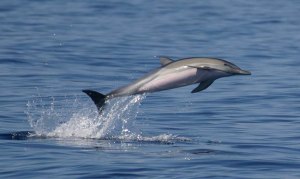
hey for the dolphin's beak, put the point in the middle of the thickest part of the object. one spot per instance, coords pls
(242, 72)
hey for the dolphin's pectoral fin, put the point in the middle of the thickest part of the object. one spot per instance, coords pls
(202, 86)
(98, 98)
(165, 60)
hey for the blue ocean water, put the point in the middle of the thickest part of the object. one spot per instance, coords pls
(240, 127)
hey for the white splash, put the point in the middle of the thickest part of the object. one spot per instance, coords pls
(77, 118)
(67, 117)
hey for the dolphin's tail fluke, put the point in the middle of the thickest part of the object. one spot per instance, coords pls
(98, 98)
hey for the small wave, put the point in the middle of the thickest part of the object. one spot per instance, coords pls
(20, 135)
(162, 138)
(95, 142)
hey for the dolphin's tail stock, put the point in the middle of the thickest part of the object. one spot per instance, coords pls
(98, 98)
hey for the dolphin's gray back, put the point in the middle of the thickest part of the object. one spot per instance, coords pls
(195, 62)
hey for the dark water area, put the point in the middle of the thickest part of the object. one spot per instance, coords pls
(240, 127)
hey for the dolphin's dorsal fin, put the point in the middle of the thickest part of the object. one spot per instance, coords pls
(202, 86)
(165, 60)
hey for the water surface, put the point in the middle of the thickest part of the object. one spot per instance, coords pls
(240, 127)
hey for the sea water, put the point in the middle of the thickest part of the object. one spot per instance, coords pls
(240, 127)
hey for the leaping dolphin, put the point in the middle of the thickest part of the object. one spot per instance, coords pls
(173, 74)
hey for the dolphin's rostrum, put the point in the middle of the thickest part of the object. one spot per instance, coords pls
(173, 74)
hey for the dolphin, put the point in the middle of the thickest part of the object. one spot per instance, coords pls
(173, 74)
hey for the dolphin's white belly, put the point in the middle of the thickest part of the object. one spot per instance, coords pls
(176, 79)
